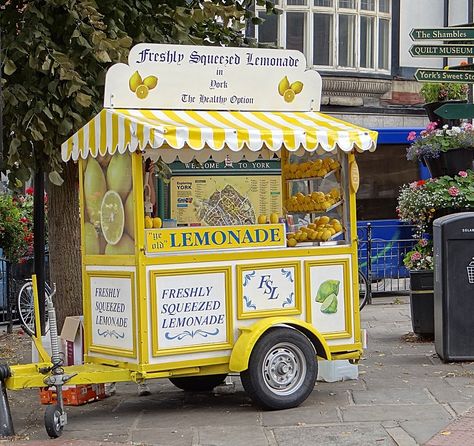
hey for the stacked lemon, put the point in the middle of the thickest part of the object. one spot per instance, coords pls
(314, 202)
(321, 230)
(310, 169)
(151, 222)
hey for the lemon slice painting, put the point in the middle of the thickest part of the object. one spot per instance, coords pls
(327, 296)
(112, 217)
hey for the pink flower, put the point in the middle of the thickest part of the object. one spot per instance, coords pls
(431, 126)
(423, 242)
(462, 173)
(415, 256)
(29, 191)
(468, 126)
(411, 136)
(453, 191)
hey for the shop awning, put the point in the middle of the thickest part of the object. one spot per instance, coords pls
(207, 133)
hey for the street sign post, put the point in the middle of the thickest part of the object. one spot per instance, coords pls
(456, 111)
(442, 34)
(442, 50)
(432, 75)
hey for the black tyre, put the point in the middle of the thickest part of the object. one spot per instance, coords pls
(282, 369)
(198, 383)
(363, 290)
(52, 421)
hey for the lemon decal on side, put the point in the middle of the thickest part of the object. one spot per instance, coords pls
(112, 217)
(289, 95)
(283, 85)
(297, 87)
(329, 305)
(142, 92)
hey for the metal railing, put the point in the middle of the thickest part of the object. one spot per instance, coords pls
(381, 259)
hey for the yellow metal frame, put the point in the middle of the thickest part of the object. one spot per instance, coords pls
(88, 307)
(348, 301)
(252, 314)
(227, 270)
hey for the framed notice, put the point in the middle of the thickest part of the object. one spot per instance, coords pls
(112, 313)
(190, 310)
(328, 297)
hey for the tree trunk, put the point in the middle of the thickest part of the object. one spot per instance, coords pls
(65, 244)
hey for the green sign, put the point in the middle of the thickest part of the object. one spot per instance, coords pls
(456, 111)
(442, 33)
(442, 50)
(429, 75)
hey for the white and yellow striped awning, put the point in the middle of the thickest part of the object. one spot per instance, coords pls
(208, 133)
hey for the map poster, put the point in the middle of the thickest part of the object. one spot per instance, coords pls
(224, 200)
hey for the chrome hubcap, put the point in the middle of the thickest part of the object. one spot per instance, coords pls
(284, 369)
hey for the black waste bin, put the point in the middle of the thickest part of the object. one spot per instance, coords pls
(453, 239)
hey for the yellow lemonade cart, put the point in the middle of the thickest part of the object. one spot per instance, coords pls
(243, 288)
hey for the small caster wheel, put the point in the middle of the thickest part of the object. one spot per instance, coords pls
(53, 422)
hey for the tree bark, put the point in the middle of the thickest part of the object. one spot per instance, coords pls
(65, 244)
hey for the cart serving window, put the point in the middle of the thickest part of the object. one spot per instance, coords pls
(250, 275)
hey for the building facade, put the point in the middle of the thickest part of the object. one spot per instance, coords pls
(361, 49)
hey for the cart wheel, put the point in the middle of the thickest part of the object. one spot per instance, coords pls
(282, 369)
(52, 421)
(198, 383)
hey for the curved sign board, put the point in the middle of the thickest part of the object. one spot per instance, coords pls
(182, 77)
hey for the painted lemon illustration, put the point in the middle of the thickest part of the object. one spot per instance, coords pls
(289, 95)
(119, 175)
(326, 289)
(135, 81)
(128, 208)
(142, 92)
(91, 239)
(289, 91)
(329, 305)
(123, 247)
(94, 190)
(297, 87)
(283, 85)
(150, 82)
(112, 217)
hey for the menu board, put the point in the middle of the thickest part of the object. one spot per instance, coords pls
(224, 200)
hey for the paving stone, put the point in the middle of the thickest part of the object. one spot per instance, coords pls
(394, 412)
(344, 435)
(235, 436)
(316, 414)
(450, 394)
(163, 437)
(407, 395)
(422, 432)
(463, 408)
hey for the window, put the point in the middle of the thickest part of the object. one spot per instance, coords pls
(350, 35)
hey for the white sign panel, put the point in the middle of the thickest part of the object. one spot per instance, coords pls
(181, 77)
(328, 298)
(112, 312)
(191, 310)
(268, 289)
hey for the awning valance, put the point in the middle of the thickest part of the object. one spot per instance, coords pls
(211, 131)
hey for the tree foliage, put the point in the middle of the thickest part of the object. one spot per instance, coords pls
(56, 52)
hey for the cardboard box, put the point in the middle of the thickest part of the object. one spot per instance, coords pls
(74, 395)
(72, 335)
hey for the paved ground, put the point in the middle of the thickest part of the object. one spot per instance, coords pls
(404, 396)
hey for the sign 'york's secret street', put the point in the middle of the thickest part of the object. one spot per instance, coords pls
(432, 75)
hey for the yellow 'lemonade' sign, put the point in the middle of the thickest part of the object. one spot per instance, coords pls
(215, 238)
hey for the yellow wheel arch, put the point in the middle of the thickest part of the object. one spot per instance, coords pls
(249, 336)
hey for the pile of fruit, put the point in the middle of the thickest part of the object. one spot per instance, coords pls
(314, 202)
(151, 223)
(310, 169)
(321, 230)
(263, 219)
